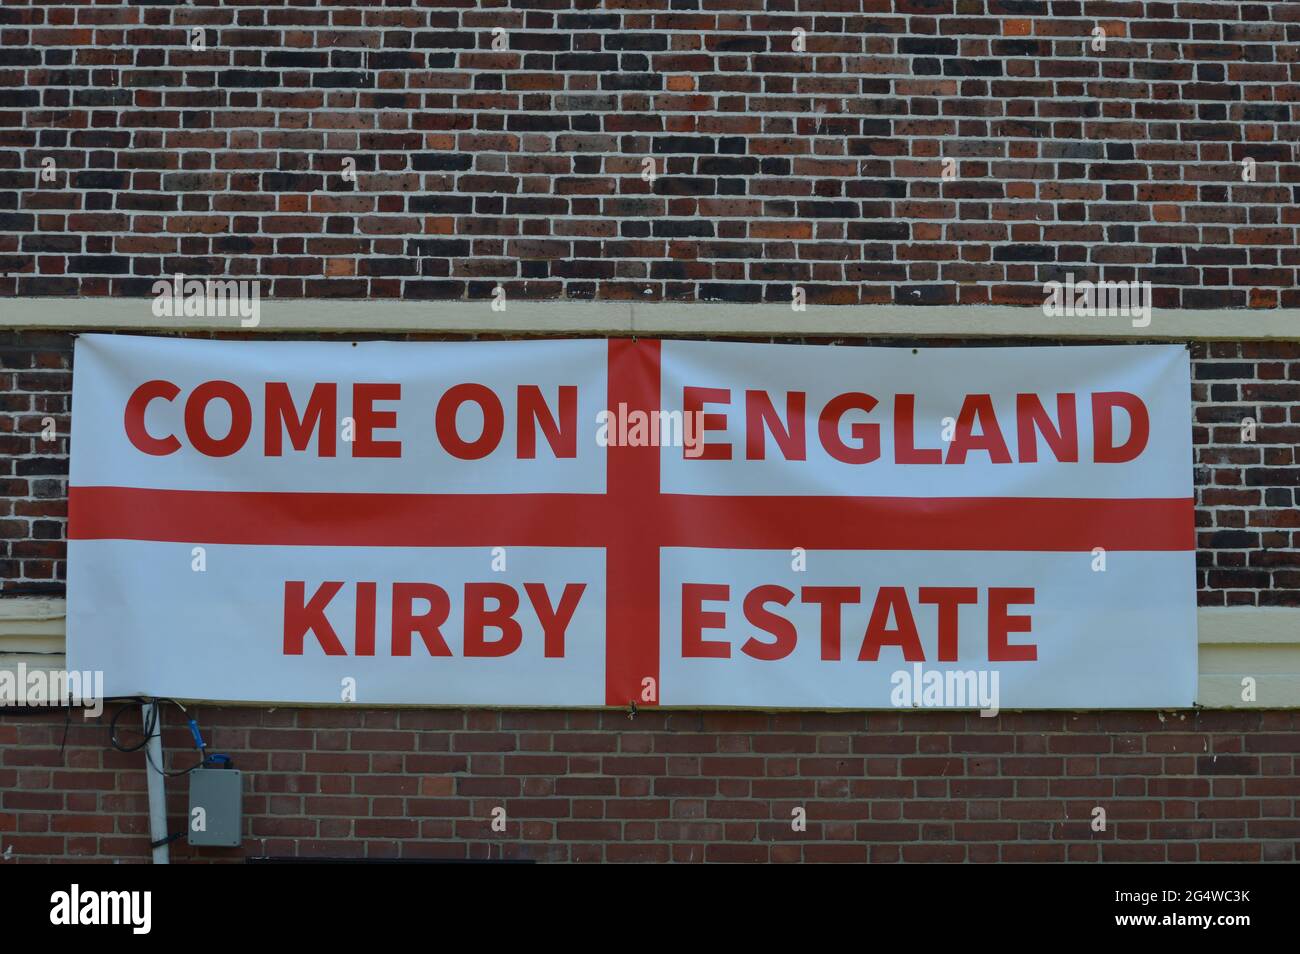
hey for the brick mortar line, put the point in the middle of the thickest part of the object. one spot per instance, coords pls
(864, 78)
(631, 176)
(940, 264)
(764, 218)
(451, 91)
(1137, 246)
(652, 135)
(884, 18)
(796, 20)
(505, 73)
(717, 58)
(664, 258)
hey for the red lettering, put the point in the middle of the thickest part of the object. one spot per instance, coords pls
(693, 401)
(891, 598)
(1104, 450)
(867, 435)
(321, 412)
(905, 449)
(368, 420)
(532, 413)
(364, 643)
(832, 599)
(949, 600)
(494, 420)
(427, 624)
(1000, 624)
(554, 621)
(301, 617)
(1031, 416)
(695, 619)
(761, 416)
(892, 622)
(133, 421)
(758, 615)
(241, 418)
(478, 618)
(990, 437)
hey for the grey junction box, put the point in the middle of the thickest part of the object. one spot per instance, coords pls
(219, 793)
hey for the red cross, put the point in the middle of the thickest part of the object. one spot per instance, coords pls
(632, 521)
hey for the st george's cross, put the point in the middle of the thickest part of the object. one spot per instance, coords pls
(493, 523)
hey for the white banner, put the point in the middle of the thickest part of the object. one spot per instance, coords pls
(589, 522)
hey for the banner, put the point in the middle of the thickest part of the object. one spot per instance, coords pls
(591, 522)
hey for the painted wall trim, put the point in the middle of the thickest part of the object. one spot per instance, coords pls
(342, 316)
(1235, 643)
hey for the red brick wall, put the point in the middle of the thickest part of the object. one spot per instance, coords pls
(681, 786)
(774, 167)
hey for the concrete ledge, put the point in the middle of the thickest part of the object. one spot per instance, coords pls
(31, 625)
(1251, 625)
(343, 316)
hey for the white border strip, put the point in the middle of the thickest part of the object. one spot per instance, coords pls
(653, 318)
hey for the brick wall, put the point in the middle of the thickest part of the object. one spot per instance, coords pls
(771, 167)
(1248, 491)
(476, 165)
(592, 786)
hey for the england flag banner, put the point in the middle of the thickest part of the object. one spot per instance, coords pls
(633, 523)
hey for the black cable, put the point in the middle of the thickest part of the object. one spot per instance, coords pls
(146, 735)
(168, 840)
(67, 723)
(148, 731)
(167, 774)
(151, 727)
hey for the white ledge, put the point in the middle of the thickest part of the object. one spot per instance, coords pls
(341, 316)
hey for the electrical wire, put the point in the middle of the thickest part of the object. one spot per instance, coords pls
(112, 731)
(151, 728)
(167, 774)
(67, 724)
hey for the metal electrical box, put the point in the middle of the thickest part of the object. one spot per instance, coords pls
(218, 792)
